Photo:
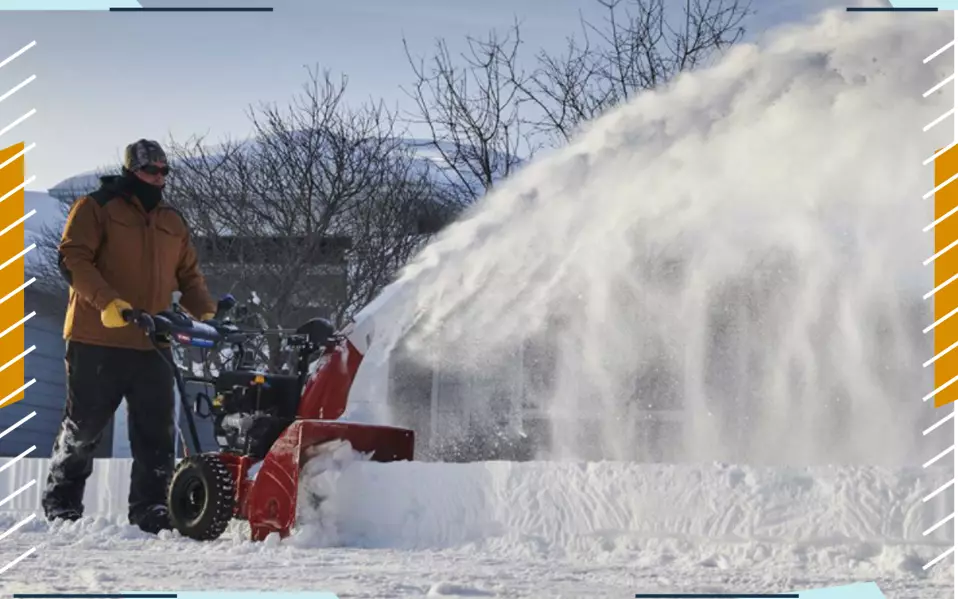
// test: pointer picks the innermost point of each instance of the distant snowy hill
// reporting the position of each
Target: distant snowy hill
(48, 211)
(49, 214)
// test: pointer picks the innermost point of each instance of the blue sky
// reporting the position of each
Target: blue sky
(105, 79)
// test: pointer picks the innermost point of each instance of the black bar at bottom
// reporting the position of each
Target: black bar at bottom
(93, 596)
(890, 9)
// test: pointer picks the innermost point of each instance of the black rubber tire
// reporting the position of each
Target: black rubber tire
(201, 497)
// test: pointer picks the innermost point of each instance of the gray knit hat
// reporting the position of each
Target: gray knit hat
(141, 153)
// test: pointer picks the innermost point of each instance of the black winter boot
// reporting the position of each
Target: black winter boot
(63, 513)
(152, 519)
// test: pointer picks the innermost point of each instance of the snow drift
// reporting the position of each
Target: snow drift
(529, 529)
(579, 507)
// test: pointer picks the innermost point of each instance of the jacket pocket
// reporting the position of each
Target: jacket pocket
(169, 246)
(121, 258)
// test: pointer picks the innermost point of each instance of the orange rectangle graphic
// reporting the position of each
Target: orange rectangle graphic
(12, 267)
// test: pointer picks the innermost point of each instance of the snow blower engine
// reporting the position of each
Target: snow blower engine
(267, 425)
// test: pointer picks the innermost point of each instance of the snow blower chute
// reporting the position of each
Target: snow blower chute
(267, 423)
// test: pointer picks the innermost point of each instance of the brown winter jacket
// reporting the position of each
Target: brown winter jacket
(112, 248)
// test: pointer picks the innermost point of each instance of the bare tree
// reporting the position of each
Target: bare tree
(472, 113)
(485, 115)
(43, 265)
(314, 214)
(637, 48)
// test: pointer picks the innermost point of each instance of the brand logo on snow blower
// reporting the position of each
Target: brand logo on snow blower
(193, 341)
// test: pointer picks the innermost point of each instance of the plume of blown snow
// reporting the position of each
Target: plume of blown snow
(743, 247)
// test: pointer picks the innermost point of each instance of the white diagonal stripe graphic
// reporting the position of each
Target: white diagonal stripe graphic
(940, 389)
(18, 458)
(941, 218)
(17, 54)
(938, 457)
(938, 491)
(939, 423)
(942, 286)
(938, 121)
(19, 154)
(18, 358)
(940, 187)
(939, 52)
(16, 526)
(941, 84)
(17, 290)
(939, 153)
(947, 552)
(14, 394)
(19, 255)
(939, 524)
(10, 127)
(927, 261)
(951, 113)
(19, 187)
(14, 426)
(18, 87)
(13, 225)
(940, 320)
(17, 325)
(22, 557)
(937, 357)
(13, 495)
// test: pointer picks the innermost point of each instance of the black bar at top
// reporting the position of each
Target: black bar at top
(890, 9)
(93, 596)
(715, 596)
(192, 9)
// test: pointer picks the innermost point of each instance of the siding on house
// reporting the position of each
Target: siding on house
(46, 396)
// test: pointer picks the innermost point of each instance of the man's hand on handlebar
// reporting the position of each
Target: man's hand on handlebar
(112, 316)
(139, 318)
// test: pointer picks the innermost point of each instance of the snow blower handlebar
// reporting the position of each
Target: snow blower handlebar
(181, 328)
(148, 323)
(176, 326)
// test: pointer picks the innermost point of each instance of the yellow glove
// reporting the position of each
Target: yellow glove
(112, 315)
(208, 316)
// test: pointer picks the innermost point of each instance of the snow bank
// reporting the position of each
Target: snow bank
(559, 507)
(572, 508)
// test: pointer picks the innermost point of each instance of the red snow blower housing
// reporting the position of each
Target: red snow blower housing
(266, 424)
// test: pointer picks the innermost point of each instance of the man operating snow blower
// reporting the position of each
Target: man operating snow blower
(122, 248)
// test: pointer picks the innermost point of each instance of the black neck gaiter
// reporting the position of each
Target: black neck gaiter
(149, 195)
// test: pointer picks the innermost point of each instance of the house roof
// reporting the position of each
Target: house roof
(271, 249)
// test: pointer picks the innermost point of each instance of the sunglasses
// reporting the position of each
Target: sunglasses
(152, 169)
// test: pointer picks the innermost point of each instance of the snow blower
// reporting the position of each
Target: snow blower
(266, 425)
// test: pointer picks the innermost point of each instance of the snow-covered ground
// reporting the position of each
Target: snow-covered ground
(559, 529)
(827, 362)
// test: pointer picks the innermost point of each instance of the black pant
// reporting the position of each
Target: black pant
(98, 378)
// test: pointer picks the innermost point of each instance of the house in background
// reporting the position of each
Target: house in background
(45, 304)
